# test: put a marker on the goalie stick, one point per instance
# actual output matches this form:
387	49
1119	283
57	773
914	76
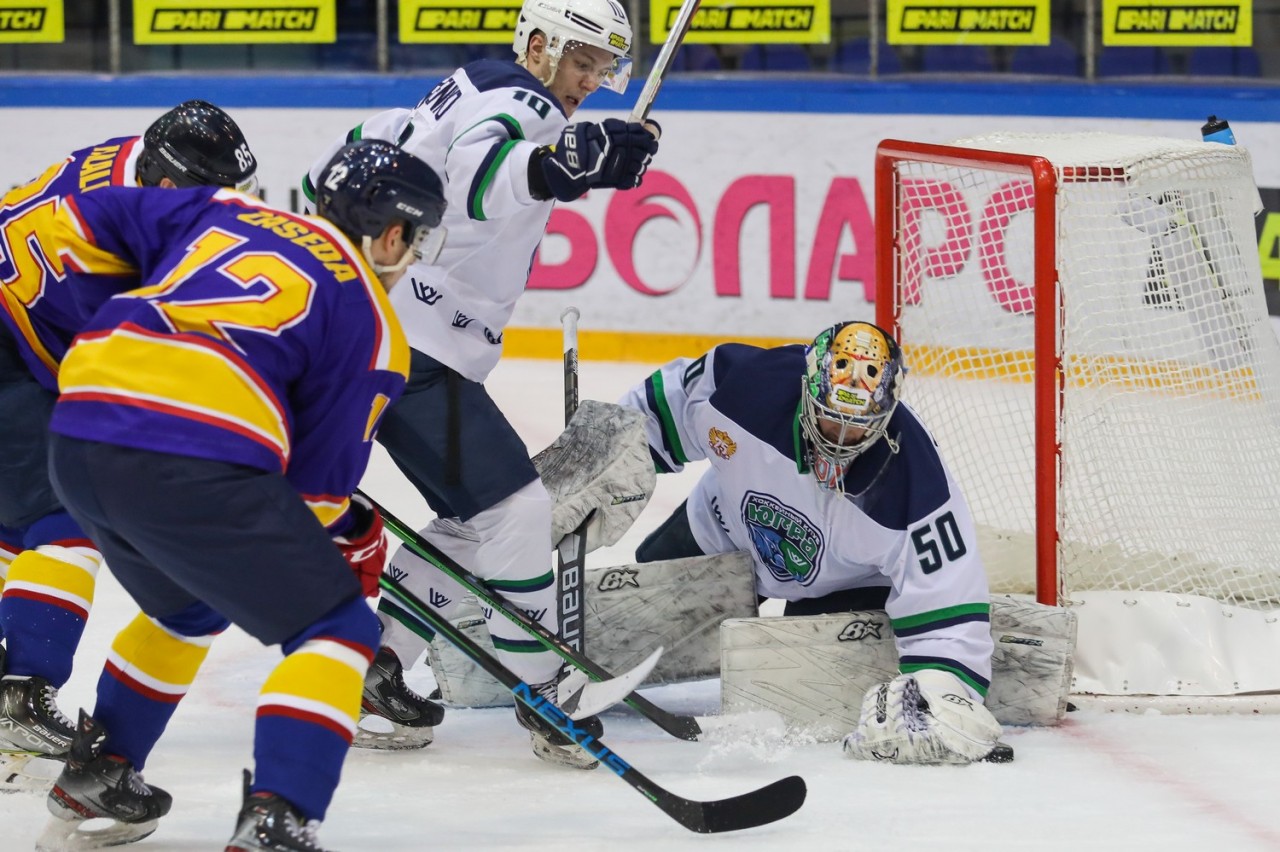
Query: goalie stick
571	551
683	727
661	65
759	807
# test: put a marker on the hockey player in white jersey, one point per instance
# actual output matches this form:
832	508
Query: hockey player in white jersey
500	134
839	494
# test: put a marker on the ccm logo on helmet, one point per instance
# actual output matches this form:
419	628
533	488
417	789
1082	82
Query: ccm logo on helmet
410	209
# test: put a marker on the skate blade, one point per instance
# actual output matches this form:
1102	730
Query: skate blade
570	756
381	734
27	772
62	835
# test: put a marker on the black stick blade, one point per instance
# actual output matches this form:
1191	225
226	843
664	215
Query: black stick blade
759	807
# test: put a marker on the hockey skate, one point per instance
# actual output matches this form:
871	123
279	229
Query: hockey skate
269	822
391	703
34	735
548	743
99	786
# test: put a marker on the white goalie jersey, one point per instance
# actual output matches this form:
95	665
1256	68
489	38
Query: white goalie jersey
902	522
477	128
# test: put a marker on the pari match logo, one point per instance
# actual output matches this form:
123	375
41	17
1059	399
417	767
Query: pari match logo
968	22
234	22
31	21
1177	23
740	22
458	21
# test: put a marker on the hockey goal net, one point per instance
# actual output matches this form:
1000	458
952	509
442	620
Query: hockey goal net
1084	323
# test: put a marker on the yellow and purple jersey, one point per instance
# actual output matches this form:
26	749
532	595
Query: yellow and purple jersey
257	337
44	315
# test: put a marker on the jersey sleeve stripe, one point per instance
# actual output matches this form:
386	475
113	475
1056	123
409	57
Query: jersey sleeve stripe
655	392
937	619
309	189
980	684
326	507
484	177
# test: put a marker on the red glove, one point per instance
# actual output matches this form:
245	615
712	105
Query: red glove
365	546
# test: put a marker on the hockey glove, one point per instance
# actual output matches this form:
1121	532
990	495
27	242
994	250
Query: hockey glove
927	717
365	545
612	155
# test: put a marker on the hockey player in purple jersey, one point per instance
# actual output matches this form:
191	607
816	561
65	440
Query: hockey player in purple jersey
211	427
838	493
500	131
50	584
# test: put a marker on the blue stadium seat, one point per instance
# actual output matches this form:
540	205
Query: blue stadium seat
1132	62
956	58
696	57
353	51
411	57
1058	57
854	57
775	57
1224	62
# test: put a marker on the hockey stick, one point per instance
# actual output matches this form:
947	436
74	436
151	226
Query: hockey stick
571	551
662	64
683	727
758	807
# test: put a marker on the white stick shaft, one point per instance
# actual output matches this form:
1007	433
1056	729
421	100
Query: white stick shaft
663	63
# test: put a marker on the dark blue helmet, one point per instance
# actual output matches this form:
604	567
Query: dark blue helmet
371	184
197	144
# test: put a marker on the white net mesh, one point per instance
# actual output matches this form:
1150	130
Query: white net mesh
1170	460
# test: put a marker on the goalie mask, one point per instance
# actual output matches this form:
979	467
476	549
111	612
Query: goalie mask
852	382
566	24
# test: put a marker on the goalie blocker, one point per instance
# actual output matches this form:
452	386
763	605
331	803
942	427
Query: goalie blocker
815	670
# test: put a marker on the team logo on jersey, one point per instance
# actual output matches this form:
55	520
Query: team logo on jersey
786	542
721	444
859	629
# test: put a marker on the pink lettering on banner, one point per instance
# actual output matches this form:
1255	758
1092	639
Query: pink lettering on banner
845	208
1012	198
630	211
578	268
941	261
778	193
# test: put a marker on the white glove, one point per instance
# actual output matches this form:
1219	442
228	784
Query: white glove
926	717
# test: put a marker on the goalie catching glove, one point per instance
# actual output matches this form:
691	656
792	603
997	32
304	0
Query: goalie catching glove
926	717
365	545
610	155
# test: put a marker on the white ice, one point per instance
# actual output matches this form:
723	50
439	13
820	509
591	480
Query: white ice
1099	781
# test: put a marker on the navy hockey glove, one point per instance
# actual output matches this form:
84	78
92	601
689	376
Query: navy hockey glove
365	545
612	154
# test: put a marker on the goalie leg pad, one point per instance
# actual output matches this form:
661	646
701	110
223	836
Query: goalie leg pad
599	463
813	670
678	604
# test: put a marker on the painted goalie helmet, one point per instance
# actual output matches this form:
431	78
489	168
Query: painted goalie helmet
566	24
853	379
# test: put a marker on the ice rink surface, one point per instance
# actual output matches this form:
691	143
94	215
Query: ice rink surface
1098	782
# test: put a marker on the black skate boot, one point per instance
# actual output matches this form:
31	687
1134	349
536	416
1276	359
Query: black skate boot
269	822
99	786
30	720
411	717
548	743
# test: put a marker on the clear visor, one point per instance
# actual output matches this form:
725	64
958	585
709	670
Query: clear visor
613	76
427	243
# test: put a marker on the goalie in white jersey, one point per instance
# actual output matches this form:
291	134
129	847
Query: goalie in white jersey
839	494
499	134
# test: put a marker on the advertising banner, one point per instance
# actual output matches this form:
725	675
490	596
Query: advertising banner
741	22
968	21
233	21
1177	23
458	21
31	21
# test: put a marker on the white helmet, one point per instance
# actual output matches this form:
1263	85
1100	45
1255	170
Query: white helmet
569	23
